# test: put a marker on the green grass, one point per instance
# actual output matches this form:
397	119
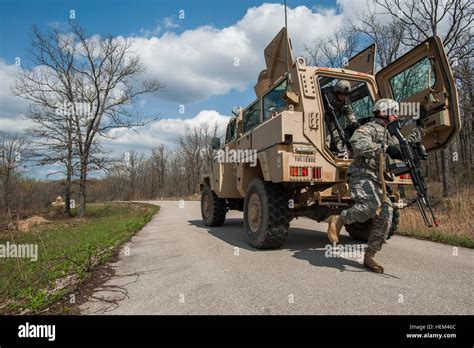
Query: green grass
67	247
442	237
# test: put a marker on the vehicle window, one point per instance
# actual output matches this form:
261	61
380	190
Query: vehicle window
416	78
361	101
273	102
363	107
231	133
252	116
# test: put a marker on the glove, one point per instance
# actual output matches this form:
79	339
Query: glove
420	122
394	152
421	151
354	125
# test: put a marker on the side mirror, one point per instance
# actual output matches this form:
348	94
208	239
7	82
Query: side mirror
216	143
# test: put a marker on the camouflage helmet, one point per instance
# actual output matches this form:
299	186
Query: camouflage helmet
388	106
342	86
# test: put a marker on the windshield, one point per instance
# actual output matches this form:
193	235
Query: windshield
273	101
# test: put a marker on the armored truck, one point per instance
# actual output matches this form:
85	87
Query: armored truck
276	163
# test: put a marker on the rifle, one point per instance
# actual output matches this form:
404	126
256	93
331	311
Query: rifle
330	116
412	154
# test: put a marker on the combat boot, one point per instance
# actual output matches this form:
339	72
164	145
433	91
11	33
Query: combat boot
334	228
370	262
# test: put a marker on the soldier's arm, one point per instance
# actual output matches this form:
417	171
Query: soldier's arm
349	113
416	135
363	143
393	149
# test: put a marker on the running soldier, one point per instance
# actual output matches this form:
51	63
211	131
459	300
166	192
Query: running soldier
365	182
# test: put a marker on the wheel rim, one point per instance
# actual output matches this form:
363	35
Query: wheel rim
254	213
206	206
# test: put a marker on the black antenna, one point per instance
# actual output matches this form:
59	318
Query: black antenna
288	77
286	29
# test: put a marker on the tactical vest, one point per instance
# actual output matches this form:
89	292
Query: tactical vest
366	164
342	109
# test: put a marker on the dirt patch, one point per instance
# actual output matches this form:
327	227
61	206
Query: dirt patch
27	224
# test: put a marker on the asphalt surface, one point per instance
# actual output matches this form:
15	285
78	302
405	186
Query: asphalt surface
176	265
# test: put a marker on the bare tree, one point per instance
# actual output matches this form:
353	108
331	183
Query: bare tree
449	19
114	182
178	174
14	150
158	162
94	80
333	51
168	172
133	164
48	85
195	146
387	36
464	72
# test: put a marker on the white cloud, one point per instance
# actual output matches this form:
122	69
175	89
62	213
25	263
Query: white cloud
166	23
352	8
169	23
14	125
150	32
164	131
11	107
200	63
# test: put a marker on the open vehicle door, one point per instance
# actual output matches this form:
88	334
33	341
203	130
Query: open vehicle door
423	83
364	61
278	56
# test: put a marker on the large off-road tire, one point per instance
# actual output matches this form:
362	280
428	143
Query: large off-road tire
213	208
266	214
360	230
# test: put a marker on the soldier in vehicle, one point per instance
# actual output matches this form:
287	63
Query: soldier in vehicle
365	182
339	100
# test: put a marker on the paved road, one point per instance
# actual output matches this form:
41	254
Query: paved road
176	265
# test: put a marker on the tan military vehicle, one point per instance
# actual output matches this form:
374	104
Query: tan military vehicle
276	163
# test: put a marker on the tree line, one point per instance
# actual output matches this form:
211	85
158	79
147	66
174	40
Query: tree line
173	171
168	171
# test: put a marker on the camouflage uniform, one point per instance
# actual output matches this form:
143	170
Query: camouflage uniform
343	110
365	184
345	116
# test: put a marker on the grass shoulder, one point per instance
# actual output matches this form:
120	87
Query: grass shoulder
456	214
68	249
